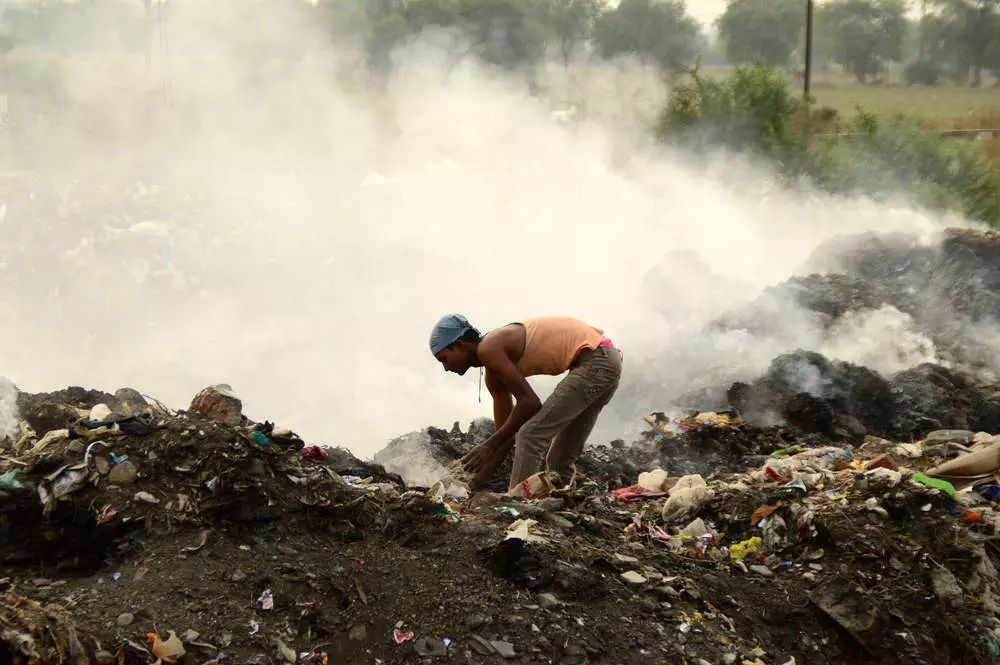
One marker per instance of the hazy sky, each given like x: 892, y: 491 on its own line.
x: 706, y: 10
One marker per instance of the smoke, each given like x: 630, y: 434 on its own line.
x: 884, y: 340
x: 408, y: 456
x: 10, y: 422
x: 250, y: 209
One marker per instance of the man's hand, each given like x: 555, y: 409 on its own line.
x: 476, y: 459
x: 483, y: 461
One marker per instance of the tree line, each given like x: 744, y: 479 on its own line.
x: 955, y: 38
x: 959, y: 39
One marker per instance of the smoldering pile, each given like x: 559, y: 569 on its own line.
x: 905, y: 340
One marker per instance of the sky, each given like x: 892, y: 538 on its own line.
x: 706, y: 11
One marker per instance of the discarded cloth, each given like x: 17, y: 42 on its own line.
x: 686, y: 497
x: 636, y: 493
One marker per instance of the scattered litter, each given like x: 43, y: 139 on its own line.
x: 504, y: 649
x: 743, y: 549
x: 145, y: 497
x: 430, y: 648
x: 936, y: 483
x: 539, y: 485
x: 447, y: 512
x: 400, y: 636
x: 287, y: 653
x: 633, y: 577
x: 169, y: 650
x: 481, y: 645
x: 203, y: 539
x: 10, y: 483
x: 260, y: 438
x: 316, y: 454
x: 653, y: 480
x: 909, y: 450
x: 696, y: 529
x: 761, y: 513
x: 687, y: 496
x: 852, y: 610
x: 521, y: 529
x: 636, y: 493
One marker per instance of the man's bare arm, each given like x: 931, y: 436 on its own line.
x: 487, y: 457
x: 503, y: 401
x: 499, y: 364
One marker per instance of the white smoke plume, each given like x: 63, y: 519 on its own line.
x: 10, y: 422
x: 884, y: 340
x: 250, y: 209
x: 407, y: 455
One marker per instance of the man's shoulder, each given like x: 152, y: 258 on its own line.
x: 503, y: 336
x: 504, y: 341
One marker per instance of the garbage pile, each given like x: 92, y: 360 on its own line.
x: 135, y: 534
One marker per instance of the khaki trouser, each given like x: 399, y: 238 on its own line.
x: 553, y: 438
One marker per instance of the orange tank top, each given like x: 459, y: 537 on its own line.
x: 551, y: 344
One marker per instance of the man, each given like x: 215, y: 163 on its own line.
x: 547, y: 436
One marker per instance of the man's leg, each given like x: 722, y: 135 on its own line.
x: 568, y: 444
x: 594, y: 379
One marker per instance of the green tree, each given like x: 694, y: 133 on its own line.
x: 426, y: 13
x: 993, y: 58
x: 568, y: 23
x: 384, y: 35
x: 657, y: 31
x: 357, y: 18
x: 501, y: 32
x: 865, y: 34
x: 764, y: 32
x: 970, y: 35
x: 504, y: 32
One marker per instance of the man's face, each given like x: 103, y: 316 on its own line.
x: 454, y: 358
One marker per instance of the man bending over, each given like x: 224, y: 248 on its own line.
x: 545, y: 436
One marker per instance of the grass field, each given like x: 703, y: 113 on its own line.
x: 951, y: 104
x: 947, y: 104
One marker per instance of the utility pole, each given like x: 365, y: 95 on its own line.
x: 157, y: 51
x: 923, y: 26
x: 809, y: 48
x: 149, y: 34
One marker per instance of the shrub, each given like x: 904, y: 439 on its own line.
x: 896, y: 153
x: 754, y: 111
x: 923, y: 72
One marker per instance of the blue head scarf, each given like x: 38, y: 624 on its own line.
x: 447, y: 331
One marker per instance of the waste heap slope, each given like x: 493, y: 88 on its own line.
x: 135, y: 534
